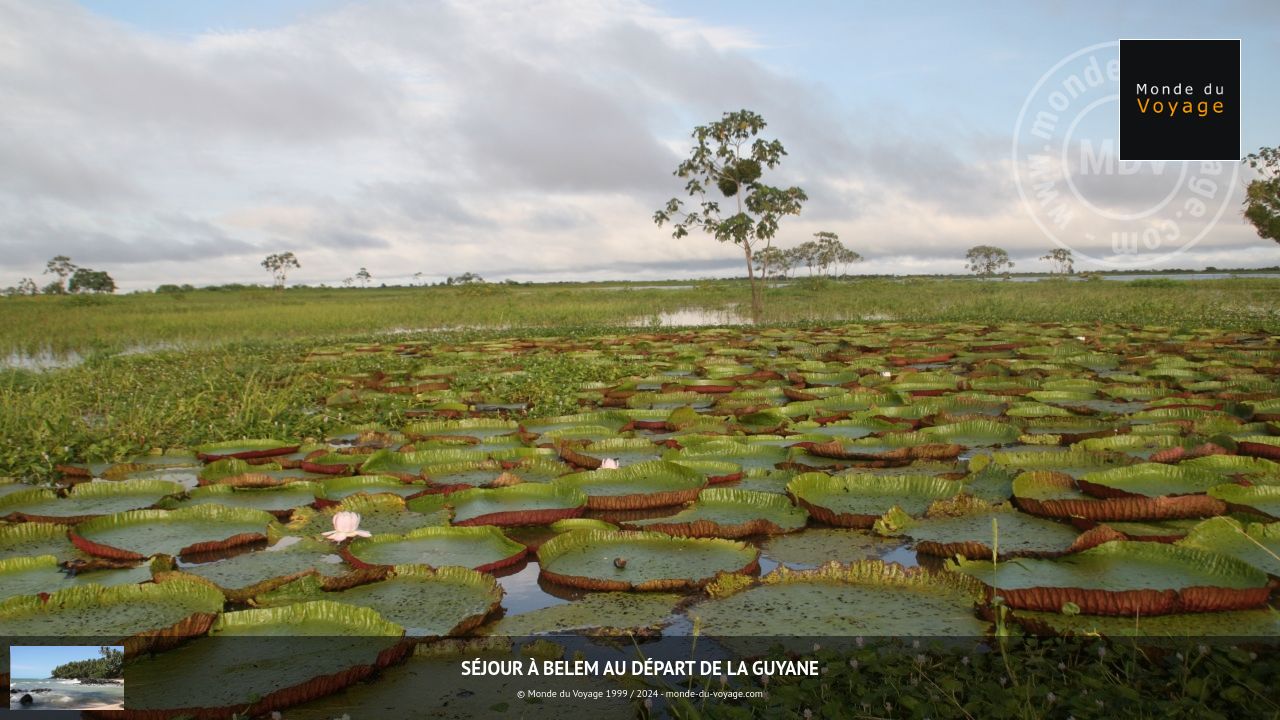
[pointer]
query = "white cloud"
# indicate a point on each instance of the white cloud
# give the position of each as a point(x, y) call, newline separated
point(518, 140)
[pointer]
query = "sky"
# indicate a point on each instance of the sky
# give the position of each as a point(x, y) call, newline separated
point(38, 661)
point(182, 142)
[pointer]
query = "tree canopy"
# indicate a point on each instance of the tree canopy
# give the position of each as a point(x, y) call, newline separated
point(1262, 196)
point(987, 260)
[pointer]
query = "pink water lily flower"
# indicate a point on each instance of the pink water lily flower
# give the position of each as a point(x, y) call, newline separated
point(346, 525)
point(609, 464)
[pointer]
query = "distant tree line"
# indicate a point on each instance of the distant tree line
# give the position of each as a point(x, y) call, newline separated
point(69, 278)
point(109, 666)
point(824, 253)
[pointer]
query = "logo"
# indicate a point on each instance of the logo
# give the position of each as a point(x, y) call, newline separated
point(1066, 163)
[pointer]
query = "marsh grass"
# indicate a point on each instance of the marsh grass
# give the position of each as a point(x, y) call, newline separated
point(32, 325)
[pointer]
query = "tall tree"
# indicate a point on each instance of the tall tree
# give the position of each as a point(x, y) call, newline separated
point(1262, 196)
point(62, 267)
point(1060, 260)
point(729, 156)
point(364, 277)
point(987, 260)
point(279, 265)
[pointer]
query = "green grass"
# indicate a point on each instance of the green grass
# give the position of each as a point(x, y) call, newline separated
point(85, 325)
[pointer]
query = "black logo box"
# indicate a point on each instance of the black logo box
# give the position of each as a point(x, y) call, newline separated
point(1205, 73)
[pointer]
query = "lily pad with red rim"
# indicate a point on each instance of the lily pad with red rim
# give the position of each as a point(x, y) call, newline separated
point(483, 549)
point(428, 602)
point(648, 561)
point(1125, 578)
point(729, 513)
point(636, 487)
point(138, 534)
point(244, 449)
point(857, 500)
point(515, 505)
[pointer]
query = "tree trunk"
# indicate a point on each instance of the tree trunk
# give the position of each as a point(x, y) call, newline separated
point(757, 302)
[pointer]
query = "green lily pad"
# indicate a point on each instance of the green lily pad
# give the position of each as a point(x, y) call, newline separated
point(857, 500)
point(523, 504)
point(108, 612)
point(974, 433)
point(338, 488)
point(31, 538)
point(1252, 624)
point(380, 514)
point(273, 499)
point(729, 513)
point(1264, 499)
point(88, 499)
point(603, 560)
point(1149, 480)
point(1125, 578)
point(868, 598)
point(244, 575)
point(636, 487)
point(31, 575)
point(138, 534)
point(973, 531)
point(482, 548)
point(243, 449)
point(819, 546)
point(605, 613)
point(332, 645)
point(430, 681)
point(1255, 543)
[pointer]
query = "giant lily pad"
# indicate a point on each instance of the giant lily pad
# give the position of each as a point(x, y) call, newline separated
point(244, 449)
point(482, 548)
point(523, 504)
point(425, 601)
point(279, 500)
point(340, 487)
point(1148, 480)
point(1055, 494)
point(865, 598)
point(819, 546)
point(138, 534)
point(605, 614)
point(86, 500)
point(330, 646)
point(379, 514)
point(974, 433)
point(178, 608)
point(1252, 624)
point(972, 529)
point(410, 465)
point(617, 560)
point(729, 513)
point(1125, 578)
point(636, 487)
point(31, 538)
point(1255, 543)
point(41, 574)
point(857, 500)
point(1263, 499)
point(244, 575)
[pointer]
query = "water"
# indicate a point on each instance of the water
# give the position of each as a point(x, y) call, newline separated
point(692, 317)
point(63, 694)
point(48, 360)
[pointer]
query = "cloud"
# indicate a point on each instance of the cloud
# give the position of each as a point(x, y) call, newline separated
point(509, 139)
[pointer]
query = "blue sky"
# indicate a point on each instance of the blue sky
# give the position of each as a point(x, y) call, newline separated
point(183, 141)
point(38, 661)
